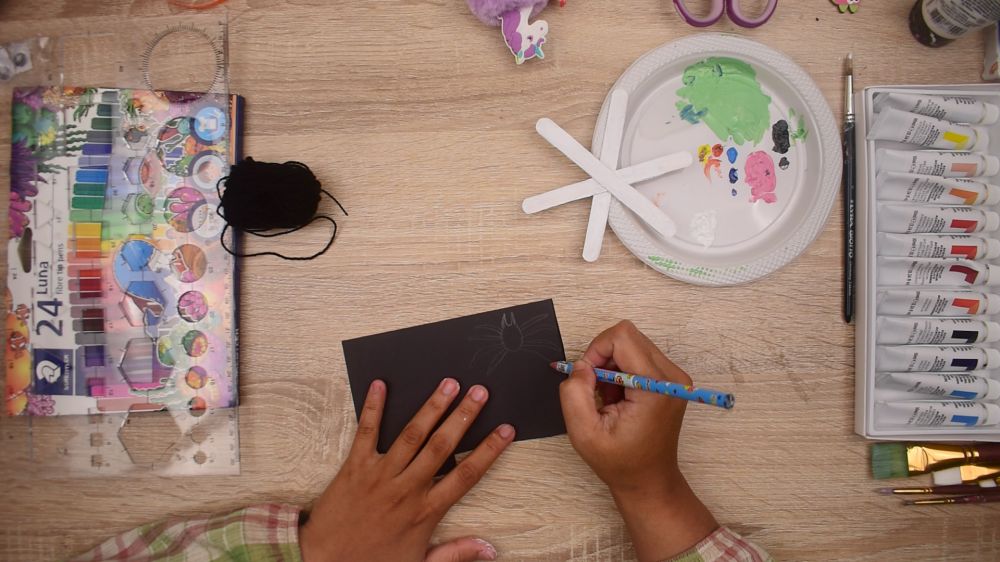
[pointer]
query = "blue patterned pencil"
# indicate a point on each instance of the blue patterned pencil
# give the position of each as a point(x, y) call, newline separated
point(684, 392)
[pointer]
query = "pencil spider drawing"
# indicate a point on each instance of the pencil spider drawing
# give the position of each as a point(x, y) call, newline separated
point(497, 343)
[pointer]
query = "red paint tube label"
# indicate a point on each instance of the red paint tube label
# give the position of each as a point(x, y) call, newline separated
point(969, 273)
point(964, 225)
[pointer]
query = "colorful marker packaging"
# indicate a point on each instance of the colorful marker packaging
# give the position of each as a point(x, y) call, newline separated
point(927, 263)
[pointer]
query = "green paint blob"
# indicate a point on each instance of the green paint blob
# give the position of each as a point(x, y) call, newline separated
point(725, 92)
point(800, 132)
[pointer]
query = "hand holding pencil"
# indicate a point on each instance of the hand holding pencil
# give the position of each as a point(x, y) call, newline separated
point(630, 441)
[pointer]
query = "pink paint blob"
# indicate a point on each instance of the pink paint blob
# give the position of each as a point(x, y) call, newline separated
point(759, 175)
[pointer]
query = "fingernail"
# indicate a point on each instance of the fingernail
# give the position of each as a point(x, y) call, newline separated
point(449, 387)
point(506, 431)
point(486, 550)
point(477, 393)
point(376, 387)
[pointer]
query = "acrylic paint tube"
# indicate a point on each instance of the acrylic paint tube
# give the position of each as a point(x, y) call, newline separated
point(903, 126)
point(953, 386)
point(935, 331)
point(915, 188)
point(936, 273)
point(938, 246)
point(928, 414)
point(926, 358)
point(901, 302)
point(957, 109)
point(914, 219)
point(943, 163)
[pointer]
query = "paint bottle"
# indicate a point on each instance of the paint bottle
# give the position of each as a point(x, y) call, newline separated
point(938, 246)
point(921, 413)
point(935, 331)
point(916, 188)
point(901, 302)
point(960, 386)
point(936, 23)
point(948, 164)
point(957, 109)
point(949, 358)
point(936, 273)
point(913, 219)
point(911, 128)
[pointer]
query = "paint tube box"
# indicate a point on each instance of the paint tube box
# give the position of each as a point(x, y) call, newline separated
point(868, 262)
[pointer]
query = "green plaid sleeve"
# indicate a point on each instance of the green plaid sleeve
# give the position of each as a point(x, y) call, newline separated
point(259, 532)
point(724, 545)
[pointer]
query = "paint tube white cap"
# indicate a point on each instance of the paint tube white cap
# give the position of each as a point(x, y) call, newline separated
point(992, 248)
point(982, 139)
point(992, 165)
point(992, 195)
point(992, 335)
point(992, 304)
point(993, 278)
point(992, 221)
point(992, 389)
point(992, 362)
point(991, 113)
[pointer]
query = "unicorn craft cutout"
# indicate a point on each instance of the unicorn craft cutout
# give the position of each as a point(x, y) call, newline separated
point(522, 38)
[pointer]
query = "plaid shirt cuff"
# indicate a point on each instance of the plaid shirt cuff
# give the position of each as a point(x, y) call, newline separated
point(259, 532)
point(723, 545)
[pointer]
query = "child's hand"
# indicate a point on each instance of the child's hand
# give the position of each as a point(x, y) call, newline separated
point(631, 442)
point(385, 507)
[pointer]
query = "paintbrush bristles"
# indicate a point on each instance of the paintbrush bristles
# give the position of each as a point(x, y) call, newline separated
point(889, 461)
point(849, 64)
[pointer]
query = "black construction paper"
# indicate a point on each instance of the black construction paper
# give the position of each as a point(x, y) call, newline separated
point(508, 351)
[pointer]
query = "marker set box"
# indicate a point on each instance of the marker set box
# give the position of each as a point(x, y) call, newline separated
point(927, 362)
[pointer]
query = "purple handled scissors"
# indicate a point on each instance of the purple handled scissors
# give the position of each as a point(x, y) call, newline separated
point(732, 7)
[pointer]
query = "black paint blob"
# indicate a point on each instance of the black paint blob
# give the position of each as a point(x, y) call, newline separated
point(779, 134)
point(783, 163)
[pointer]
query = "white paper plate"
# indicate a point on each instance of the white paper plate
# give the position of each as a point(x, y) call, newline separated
point(727, 232)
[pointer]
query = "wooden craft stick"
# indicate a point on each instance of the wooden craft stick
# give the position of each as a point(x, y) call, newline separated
point(600, 205)
point(588, 188)
point(622, 191)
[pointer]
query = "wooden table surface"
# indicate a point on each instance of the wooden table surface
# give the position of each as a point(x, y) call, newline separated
point(417, 118)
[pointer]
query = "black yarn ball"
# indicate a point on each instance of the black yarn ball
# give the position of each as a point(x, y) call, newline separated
point(266, 195)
